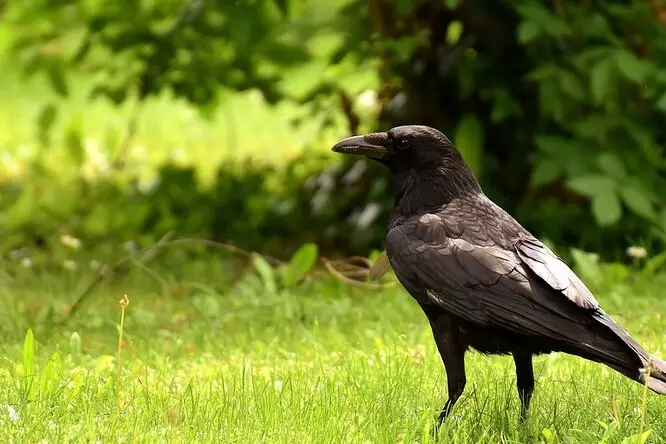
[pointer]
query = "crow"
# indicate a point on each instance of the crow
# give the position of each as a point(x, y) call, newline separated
point(483, 280)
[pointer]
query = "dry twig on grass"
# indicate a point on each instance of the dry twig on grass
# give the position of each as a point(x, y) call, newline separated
point(344, 270)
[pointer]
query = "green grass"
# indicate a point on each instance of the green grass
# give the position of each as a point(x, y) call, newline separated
point(207, 359)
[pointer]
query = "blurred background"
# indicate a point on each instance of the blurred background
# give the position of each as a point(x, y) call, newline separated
point(124, 121)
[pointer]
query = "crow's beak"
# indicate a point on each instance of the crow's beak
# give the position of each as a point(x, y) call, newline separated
point(372, 145)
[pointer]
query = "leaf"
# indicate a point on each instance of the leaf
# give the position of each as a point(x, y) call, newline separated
point(594, 125)
point(592, 185)
point(637, 202)
point(299, 264)
point(49, 377)
point(27, 358)
point(611, 165)
point(45, 122)
point(546, 171)
point(552, 144)
point(468, 138)
point(541, 16)
point(631, 66)
point(528, 31)
point(57, 78)
point(453, 32)
point(547, 435)
point(638, 438)
point(74, 145)
point(606, 208)
point(661, 103)
point(572, 85)
point(380, 267)
point(283, 6)
point(28, 354)
point(265, 272)
point(504, 106)
point(543, 72)
point(404, 7)
point(602, 81)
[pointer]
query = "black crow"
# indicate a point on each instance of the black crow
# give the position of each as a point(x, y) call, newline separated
point(482, 279)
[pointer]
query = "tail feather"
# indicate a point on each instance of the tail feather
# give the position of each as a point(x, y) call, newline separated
point(657, 372)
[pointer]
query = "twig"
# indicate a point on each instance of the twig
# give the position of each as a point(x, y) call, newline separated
point(347, 266)
point(223, 246)
point(120, 266)
point(341, 277)
point(363, 260)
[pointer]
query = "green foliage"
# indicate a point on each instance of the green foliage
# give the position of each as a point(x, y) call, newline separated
point(605, 99)
point(190, 47)
point(299, 264)
point(557, 106)
point(266, 272)
point(289, 274)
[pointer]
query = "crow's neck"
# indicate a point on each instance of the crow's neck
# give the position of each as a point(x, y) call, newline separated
point(432, 190)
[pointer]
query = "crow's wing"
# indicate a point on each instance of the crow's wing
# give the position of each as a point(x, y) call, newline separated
point(549, 267)
point(487, 284)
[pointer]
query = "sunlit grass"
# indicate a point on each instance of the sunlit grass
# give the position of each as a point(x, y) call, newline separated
point(243, 126)
point(204, 359)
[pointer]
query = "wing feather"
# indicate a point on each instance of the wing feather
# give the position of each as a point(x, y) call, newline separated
point(549, 267)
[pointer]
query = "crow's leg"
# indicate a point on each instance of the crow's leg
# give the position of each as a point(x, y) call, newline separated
point(452, 352)
point(524, 381)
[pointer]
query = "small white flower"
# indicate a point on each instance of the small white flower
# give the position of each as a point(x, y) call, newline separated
point(636, 252)
point(26, 262)
point(179, 156)
point(96, 162)
point(69, 264)
point(278, 385)
point(75, 342)
point(131, 246)
point(13, 414)
point(70, 241)
point(368, 102)
point(147, 184)
point(17, 254)
point(256, 95)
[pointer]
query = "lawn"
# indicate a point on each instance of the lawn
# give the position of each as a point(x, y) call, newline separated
point(207, 357)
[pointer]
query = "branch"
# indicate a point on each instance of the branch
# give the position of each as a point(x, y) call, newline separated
point(348, 267)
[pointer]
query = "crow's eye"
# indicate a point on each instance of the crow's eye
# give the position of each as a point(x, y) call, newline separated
point(402, 143)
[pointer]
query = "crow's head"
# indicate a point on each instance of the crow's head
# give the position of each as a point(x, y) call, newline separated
point(404, 148)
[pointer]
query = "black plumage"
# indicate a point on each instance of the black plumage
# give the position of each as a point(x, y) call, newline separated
point(483, 280)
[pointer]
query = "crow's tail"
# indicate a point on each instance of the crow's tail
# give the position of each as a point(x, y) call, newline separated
point(650, 367)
